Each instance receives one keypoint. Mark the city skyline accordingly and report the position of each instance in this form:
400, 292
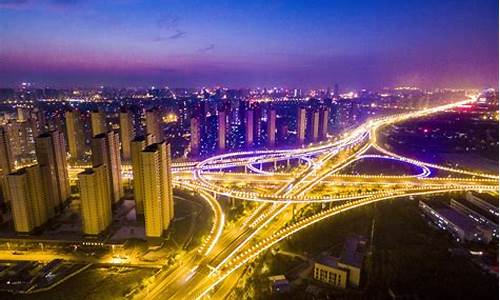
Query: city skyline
291, 44
190, 149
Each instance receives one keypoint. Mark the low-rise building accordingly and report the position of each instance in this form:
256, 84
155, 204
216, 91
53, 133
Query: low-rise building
327, 270
485, 201
279, 284
459, 225
476, 214
343, 271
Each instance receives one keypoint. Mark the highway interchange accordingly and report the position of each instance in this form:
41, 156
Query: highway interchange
214, 268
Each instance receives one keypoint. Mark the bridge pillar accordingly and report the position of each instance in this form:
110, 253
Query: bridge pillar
275, 164
261, 166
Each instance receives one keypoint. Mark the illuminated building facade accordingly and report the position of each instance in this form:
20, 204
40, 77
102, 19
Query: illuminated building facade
301, 125
136, 147
98, 122
126, 133
95, 204
157, 183
195, 128
105, 151
153, 125
28, 199
271, 127
74, 134
51, 156
249, 127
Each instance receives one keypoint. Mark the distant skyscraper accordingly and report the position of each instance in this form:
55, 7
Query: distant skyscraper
95, 203
157, 182
323, 123
51, 157
74, 133
257, 128
137, 146
98, 122
249, 124
153, 125
38, 122
221, 130
336, 91
271, 127
6, 159
282, 130
105, 151
195, 136
126, 133
301, 125
6, 162
15, 134
28, 199
314, 125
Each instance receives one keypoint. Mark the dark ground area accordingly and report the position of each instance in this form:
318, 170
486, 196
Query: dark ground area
409, 256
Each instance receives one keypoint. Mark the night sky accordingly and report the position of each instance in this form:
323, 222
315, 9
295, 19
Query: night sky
358, 44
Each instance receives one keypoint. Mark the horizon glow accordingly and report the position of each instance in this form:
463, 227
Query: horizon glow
358, 44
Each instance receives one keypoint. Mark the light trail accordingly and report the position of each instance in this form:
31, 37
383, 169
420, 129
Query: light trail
290, 230
318, 170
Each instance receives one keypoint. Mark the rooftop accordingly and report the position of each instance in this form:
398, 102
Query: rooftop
353, 252
328, 261
457, 218
487, 197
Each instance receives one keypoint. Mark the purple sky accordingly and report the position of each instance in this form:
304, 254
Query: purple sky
249, 43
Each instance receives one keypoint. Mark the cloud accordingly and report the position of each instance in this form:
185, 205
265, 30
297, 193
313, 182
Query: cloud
177, 35
207, 49
168, 22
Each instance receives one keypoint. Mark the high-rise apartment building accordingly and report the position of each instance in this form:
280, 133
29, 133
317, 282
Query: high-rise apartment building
153, 125
95, 202
157, 183
98, 122
314, 125
195, 136
323, 123
126, 133
271, 127
51, 157
136, 147
74, 134
257, 126
301, 125
249, 125
28, 199
221, 130
7, 163
105, 151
